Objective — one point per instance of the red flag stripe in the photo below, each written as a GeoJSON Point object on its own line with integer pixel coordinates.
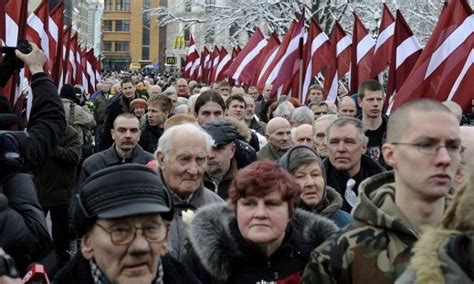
{"type": "Point", "coordinates": [249, 58]}
{"type": "Point", "coordinates": [468, 65]}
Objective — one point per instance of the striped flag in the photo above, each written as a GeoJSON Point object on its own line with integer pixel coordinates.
{"type": "Point", "coordinates": [362, 54]}
{"type": "Point", "coordinates": [383, 46]}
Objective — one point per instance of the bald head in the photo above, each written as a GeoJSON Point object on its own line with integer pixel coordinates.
{"type": "Point", "coordinates": [279, 134]}
{"type": "Point", "coordinates": [302, 135]}
{"type": "Point", "coordinates": [400, 119]}
{"type": "Point", "coordinates": [275, 123]}
{"type": "Point", "coordinates": [347, 107]}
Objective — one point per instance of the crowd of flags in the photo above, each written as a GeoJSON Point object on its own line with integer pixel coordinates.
{"type": "Point", "coordinates": [68, 61]}
{"type": "Point", "coordinates": [440, 70]}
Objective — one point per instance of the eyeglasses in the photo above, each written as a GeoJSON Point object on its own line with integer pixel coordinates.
{"type": "Point", "coordinates": [433, 149]}
{"type": "Point", "coordinates": [124, 234]}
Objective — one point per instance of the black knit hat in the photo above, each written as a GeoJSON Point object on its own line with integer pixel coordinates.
{"type": "Point", "coordinates": [67, 92]}
{"type": "Point", "coordinates": [121, 191]}
{"type": "Point", "coordinates": [223, 132]}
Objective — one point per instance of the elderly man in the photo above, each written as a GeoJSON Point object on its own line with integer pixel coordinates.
{"type": "Point", "coordinates": [279, 139]}
{"type": "Point", "coordinates": [347, 107]}
{"type": "Point", "coordinates": [221, 164]}
{"type": "Point", "coordinates": [153, 90]}
{"type": "Point", "coordinates": [123, 219]}
{"type": "Point", "coordinates": [182, 88]}
{"type": "Point", "coordinates": [126, 134]}
{"type": "Point", "coordinates": [319, 133]}
{"type": "Point", "coordinates": [302, 115]}
{"type": "Point", "coordinates": [424, 148]}
{"type": "Point", "coordinates": [302, 135]}
{"type": "Point", "coordinates": [319, 109]}
{"type": "Point", "coordinates": [347, 165]}
{"type": "Point", "coordinates": [182, 164]}
{"type": "Point", "coordinates": [252, 121]}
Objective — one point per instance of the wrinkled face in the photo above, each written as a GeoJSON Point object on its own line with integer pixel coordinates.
{"type": "Point", "coordinates": [263, 221]}
{"type": "Point", "coordinates": [128, 90]}
{"type": "Point", "coordinates": [311, 182]}
{"type": "Point", "coordinates": [304, 136]}
{"type": "Point", "coordinates": [219, 160]}
{"type": "Point", "coordinates": [154, 90]}
{"type": "Point", "coordinates": [209, 111]}
{"type": "Point", "coordinates": [319, 111]}
{"type": "Point", "coordinates": [236, 109]}
{"type": "Point", "coordinates": [182, 88]}
{"type": "Point", "coordinates": [315, 95]}
{"type": "Point", "coordinates": [126, 133]}
{"type": "Point", "coordinates": [280, 138]}
{"type": "Point", "coordinates": [184, 166]}
{"type": "Point", "coordinates": [347, 109]}
{"type": "Point", "coordinates": [345, 149]}
{"type": "Point", "coordinates": [319, 137]}
{"type": "Point", "coordinates": [224, 91]}
{"type": "Point", "coordinates": [136, 262]}
{"type": "Point", "coordinates": [139, 111]}
{"type": "Point", "coordinates": [426, 176]}
{"type": "Point", "coordinates": [156, 117]}
{"type": "Point", "coordinates": [372, 104]}
{"type": "Point", "coordinates": [250, 110]}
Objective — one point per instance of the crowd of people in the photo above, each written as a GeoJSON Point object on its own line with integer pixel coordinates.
{"type": "Point", "coordinates": [157, 180]}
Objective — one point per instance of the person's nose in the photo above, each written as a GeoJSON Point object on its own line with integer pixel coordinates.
{"type": "Point", "coordinates": [442, 157]}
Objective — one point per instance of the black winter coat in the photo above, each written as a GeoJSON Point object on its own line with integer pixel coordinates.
{"type": "Point", "coordinates": [117, 105]}
{"type": "Point", "coordinates": [78, 271]}
{"type": "Point", "coordinates": [149, 137]}
{"type": "Point", "coordinates": [221, 254]}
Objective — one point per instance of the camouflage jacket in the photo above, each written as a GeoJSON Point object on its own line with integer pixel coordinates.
{"type": "Point", "coordinates": [376, 248]}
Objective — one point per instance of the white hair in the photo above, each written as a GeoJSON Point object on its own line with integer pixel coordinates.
{"type": "Point", "coordinates": [301, 113]}
{"type": "Point", "coordinates": [284, 109]}
{"type": "Point", "coordinates": [166, 140]}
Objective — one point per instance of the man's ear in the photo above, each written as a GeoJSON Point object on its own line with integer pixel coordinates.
{"type": "Point", "coordinates": [232, 148]}
{"type": "Point", "coordinates": [86, 247]}
{"type": "Point", "coordinates": [112, 132]}
{"type": "Point", "coordinates": [388, 152]}
{"type": "Point", "coordinates": [160, 157]}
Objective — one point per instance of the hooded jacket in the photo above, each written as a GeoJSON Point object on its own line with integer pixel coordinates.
{"type": "Point", "coordinates": [221, 254]}
{"type": "Point", "coordinates": [376, 247]}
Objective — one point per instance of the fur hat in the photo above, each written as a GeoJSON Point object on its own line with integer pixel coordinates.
{"type": "Point", "coordinates": [137, 102]}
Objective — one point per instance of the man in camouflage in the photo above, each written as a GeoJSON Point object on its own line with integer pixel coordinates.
{"type": "Point", "coordinates": [424, 148]}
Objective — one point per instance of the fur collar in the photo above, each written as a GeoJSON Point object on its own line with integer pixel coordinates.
{"type": "Point", "coordinates": [218, 249]}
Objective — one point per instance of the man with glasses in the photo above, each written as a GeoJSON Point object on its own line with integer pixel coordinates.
{"type": "Point", "coordinates": [424, 149]}
{"type": "Point", "coordinates": [123, 218]}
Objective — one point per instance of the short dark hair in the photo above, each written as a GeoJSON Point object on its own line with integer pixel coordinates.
{"type": "Point", "coordinates": [369, 85]}
{"type": "Point", "coordinates": [237, 97]}
{"type": "Point", "coordinates": [126, 80]}
{"type": "Point", "coordinates": [208, 96]}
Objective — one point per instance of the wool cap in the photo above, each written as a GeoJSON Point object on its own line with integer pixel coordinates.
{"type": "Point", "coordinates": [137, 102]}
{"type": "Point", "coordinates": [118, 192]}
{"type": "Point", "coordinates": [223, 132]}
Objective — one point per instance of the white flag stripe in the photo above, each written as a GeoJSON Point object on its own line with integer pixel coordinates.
{"type": "Point", "coordinates": [385, 35]}
{"type": "Point", "coordinates": [249, 57]}
{"type": "Point", "coordinates": [364, 46]}
{"type": "Point", "coordinates": [469, 63]}
{"type": "Point", "coordinates": [36, 24]}
{"type": "Point", "coordinates": [91, 73]}
{"type": "Point", "coordinates": [318, 42]}
{"type": "Point", "coordinates": [294, 44]}
{"type": "Point", "coordinates": [406, 49]}
{"type": "Point", "coordinates": [11, 29]}
{"type": "Point", "coordinates": [343, 44]}
{"type": "Point", "coordinates": [221, 65]}
{"type": "Point", "coordinates": [332, 95]}
{"type": "Point", "coordinates": [53, 29]}
{"type": "Point", "coordinates": [267, 64]}
{"type": "Point", "coordinates": [450, 44]}
{"type": "Point", "coordinates": [315, 45]}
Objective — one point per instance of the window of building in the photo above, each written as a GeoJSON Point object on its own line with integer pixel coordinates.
{"type": "Point", "coordinates": [122, 46]}
{"type": "Point", "coordinates": [122, 26]}
{"type": "Point", "coordinates": [145, 53]}
{"type": "Point", "coordinates": [108, 5]}
{"type": "Point", "coordinates": [107, 25]}
{"type": "Point", "coordinates": [107, 46]}
{"type": "Point", "coordinates": [187, 34]}
{"type": "Point", "coordinates": [122, 5]}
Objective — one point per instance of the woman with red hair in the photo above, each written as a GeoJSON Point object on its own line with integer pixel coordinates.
{"type": "Point", "coordinates": [258, 236]}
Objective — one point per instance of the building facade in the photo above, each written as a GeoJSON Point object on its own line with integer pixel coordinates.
{"type": "Point", "coordinates": [129, 37]}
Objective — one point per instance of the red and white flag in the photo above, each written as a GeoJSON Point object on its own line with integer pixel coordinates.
{"type": "Point", "coordinates": [55, 25]}
{"type": "Point", "coordinates": [442, 61]}
{"type": "Point", "coordinates": [190, 57]}
{"type": "Point", "coordinates": [315, 55]}
{"type": "Point", "coordinates": [37, 30]}
{"type": "Point", "coordinates": [65, 57]}
{"type": "Point", "coordinates": [405, 53]}
{"type": "Point", "coordinates": [216, 57]}
{"type": "Point", "coordinates": [224, 63]}
{"type": "Point", "coordinates": [195, 69]}
{"type": "Point", "coordinates": [339, 61]}
{"type": "Point", "coordinates": [362, 54]}
{"type": "Point", "coordinates": [266, 56]}
{"type": "Point", "coordinates": [287, 58]}
{"type": "Point", "coordinates": [383, 46]}
{"type": "Point", "coordinates": [243, 67]}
